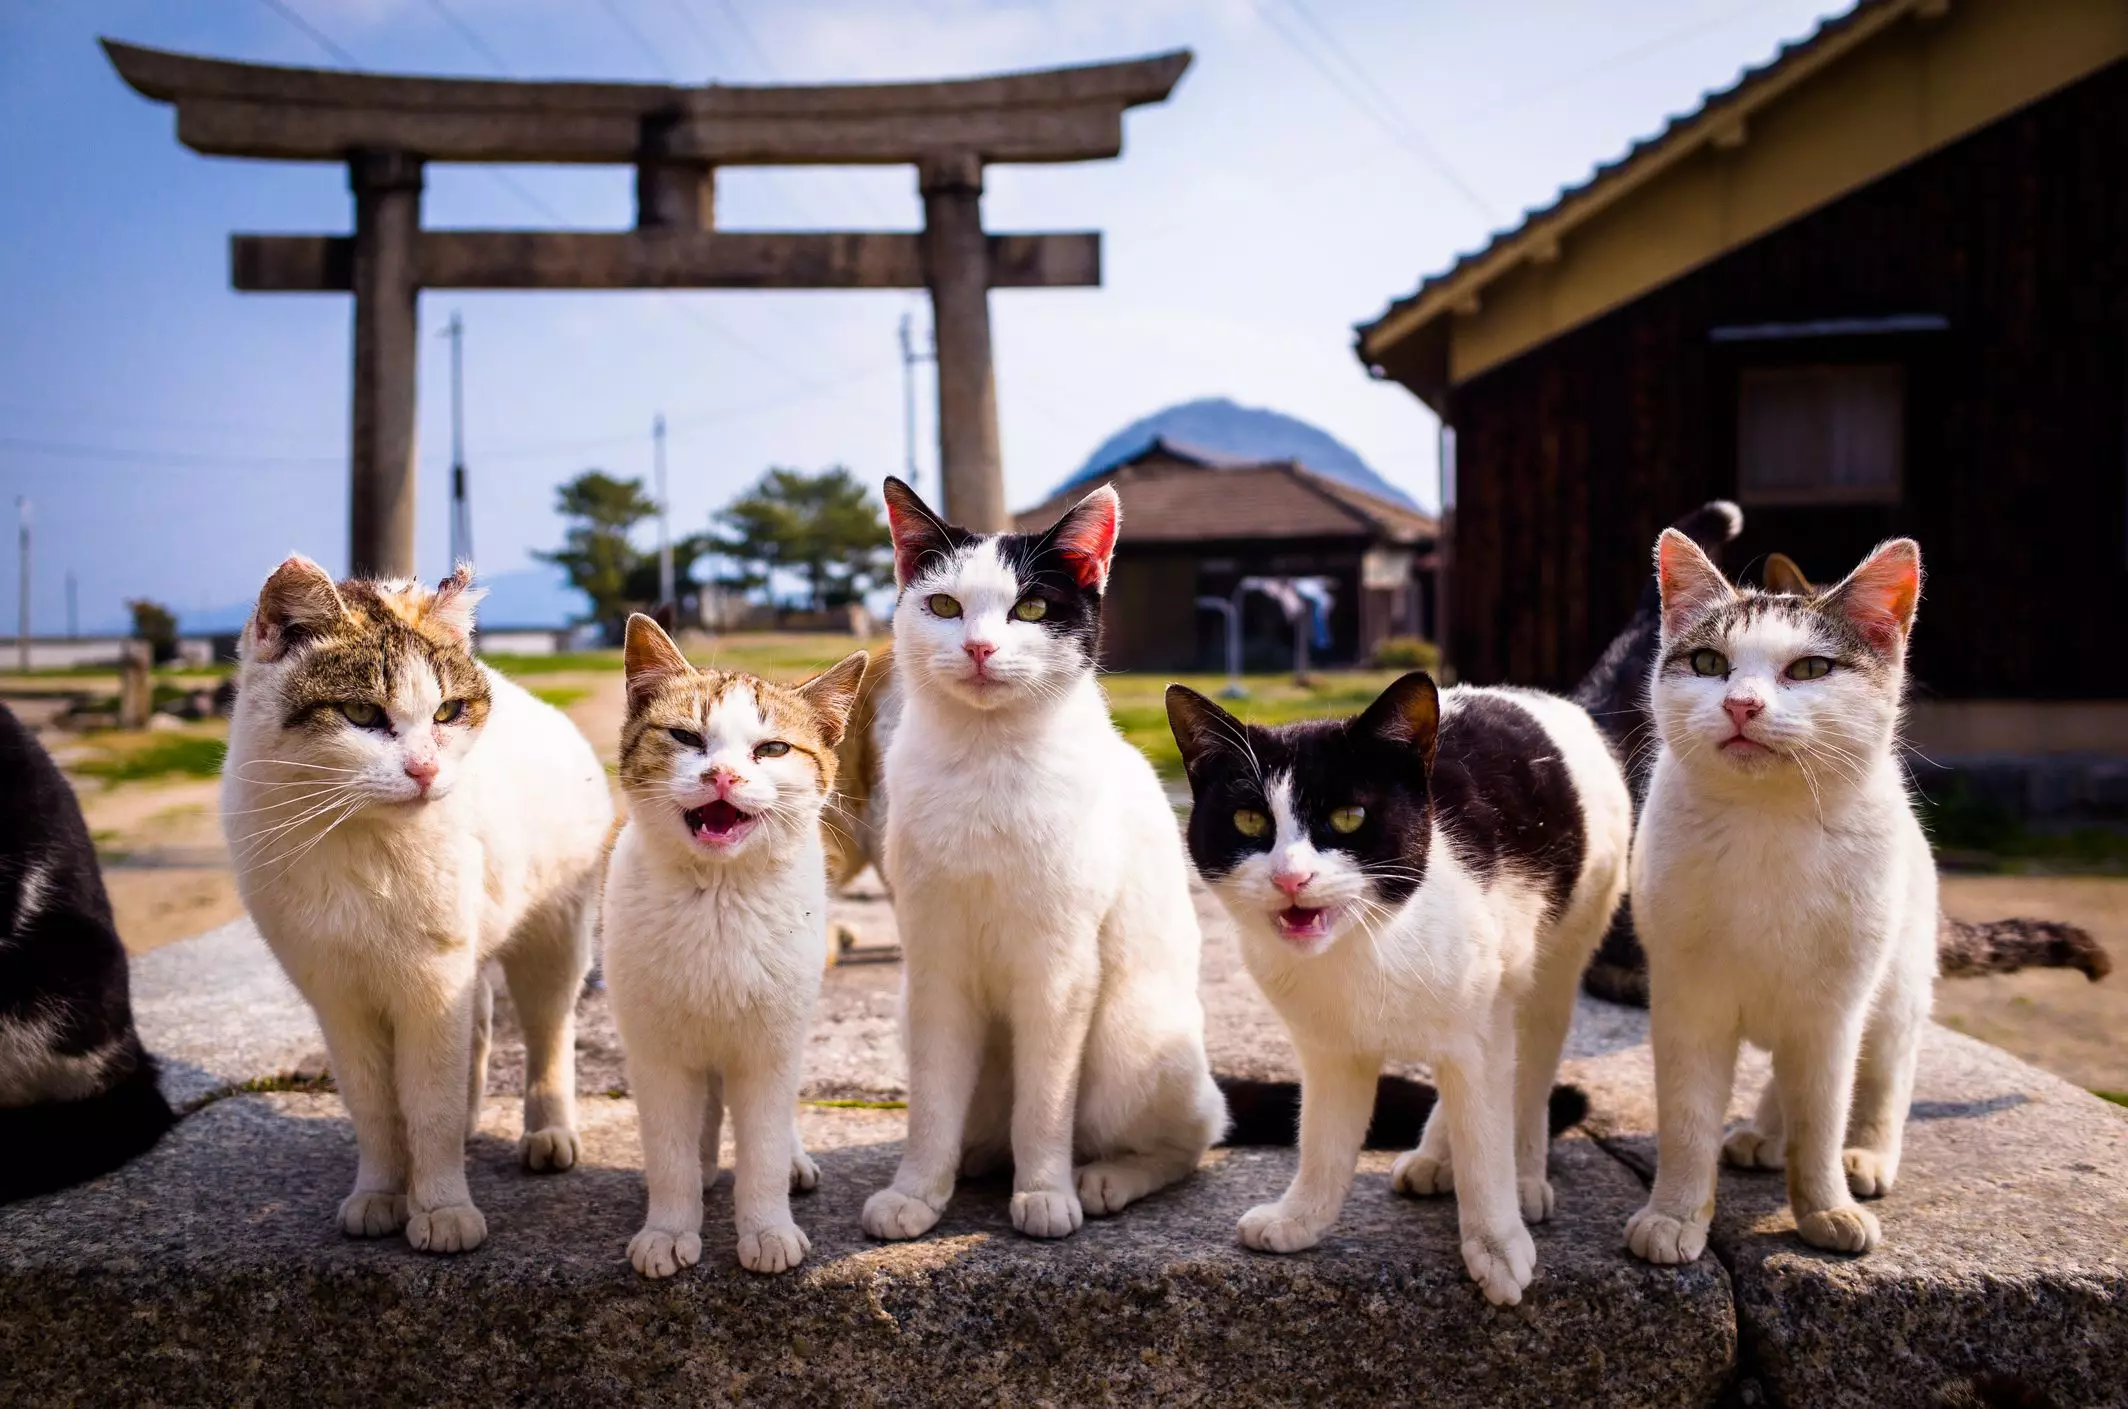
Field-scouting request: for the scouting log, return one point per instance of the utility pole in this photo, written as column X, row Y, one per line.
column 665, row 583
column 461, row 508
column 909, row 358
column 73, row 615
column 22, row 632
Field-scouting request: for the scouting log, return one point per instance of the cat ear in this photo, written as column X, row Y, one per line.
column 1086, row 537
column 1783, row 576
column 832, row 694
column 1408, row 714
column 1203, row 730
column 917, row 532
column 1691, row 584
column 298, row 600
column 452, row 606
column 1879, row 597
column 649, row 659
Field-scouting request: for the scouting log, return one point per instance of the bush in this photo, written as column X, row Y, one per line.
column 1408, row 653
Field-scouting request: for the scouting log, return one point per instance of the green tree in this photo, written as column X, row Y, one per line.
column 157, row 625
column 825, row 527
column 596, row 552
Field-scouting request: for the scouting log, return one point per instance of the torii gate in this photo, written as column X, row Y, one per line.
column 385, row 127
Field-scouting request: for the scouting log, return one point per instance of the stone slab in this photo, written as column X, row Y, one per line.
column 217, row 1011
column 212, row 1271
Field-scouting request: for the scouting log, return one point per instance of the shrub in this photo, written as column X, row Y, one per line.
column 1408, row 653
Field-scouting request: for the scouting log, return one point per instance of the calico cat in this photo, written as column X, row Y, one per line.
column 715, row 932
column 77, row 1093
column 1425, row 880
column 1784, row 891
column 1051, row 948
column 400, row 815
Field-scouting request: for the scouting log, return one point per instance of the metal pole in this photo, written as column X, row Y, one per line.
column 1231, row 612
column 461, row 506
column 22, row 631
column 665, row 582
column 909, row 358
column 73, row 616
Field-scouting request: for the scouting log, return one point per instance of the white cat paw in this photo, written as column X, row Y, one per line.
column 1747, row 1149
column 1501, row 1263
column 893, row 1215
column 1271, row 1228
column 1869, row 1174
column 1421, row 1176
column 805, row 1175
column 1047, row 1213
column 1536, row 1198
column 1110, row 1188
column 1849, row 1229
column 372, row 1214
column 553, row 1149
column 452, row 1228
column 659, row 1252
column 771, row 1250
column 1663, row 1240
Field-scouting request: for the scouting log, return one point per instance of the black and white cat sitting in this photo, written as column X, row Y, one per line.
column 77, row 1093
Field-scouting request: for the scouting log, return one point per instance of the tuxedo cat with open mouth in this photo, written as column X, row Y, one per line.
column 1424, row 881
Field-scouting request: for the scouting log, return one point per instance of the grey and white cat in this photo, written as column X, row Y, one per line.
column 1784, row 892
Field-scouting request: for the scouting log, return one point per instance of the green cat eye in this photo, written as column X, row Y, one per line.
column 448, row 711
column 1809, row 668
column 774, row 748
column 1030, row 609
column 1709, row 663
column 1251, row 823
column 362, row 714
column 943, row 605
column 1347, row 819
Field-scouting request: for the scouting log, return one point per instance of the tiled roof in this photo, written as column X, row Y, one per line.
column 1171, row 497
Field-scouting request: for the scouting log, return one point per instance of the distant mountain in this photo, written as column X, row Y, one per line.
column 1250, row 432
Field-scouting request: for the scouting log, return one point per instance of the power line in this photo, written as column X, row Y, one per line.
column 695, row 27
column 472, row 39
column 642, row 41
column 318, row 36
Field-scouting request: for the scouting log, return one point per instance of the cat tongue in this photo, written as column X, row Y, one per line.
column 719, row 819
column 1300, row 922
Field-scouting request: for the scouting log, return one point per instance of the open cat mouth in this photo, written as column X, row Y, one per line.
column 718, row 823
column 1298, row 922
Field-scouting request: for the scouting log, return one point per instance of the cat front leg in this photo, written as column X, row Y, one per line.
column 945, row 1035
column 433, row 1032
column 762, row 1101
column 1695, row 1068
column 671, row 1102
column 546, row 969
column 1477, row 1081
column 1336, row 1102
column 359, row 1046
column 1816, row 1070
column 1429, row 1169
column 1050, row 1020
column 1884, row 1084
column 1761, row 1142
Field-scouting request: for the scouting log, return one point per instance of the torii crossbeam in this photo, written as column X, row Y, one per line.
column 386, row 127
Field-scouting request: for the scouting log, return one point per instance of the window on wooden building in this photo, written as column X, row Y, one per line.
column 1820, row 435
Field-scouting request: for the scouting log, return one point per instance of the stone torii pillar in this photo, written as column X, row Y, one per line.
column 386, row 128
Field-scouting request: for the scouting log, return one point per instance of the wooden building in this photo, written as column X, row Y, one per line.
column 1195, row 523
column 1878, row 287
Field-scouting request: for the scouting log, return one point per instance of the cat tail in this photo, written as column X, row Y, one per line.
column 1268, row 1112
column 1966, row 949
column 57, row 1144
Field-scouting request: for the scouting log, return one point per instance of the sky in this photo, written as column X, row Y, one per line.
column 175, row 439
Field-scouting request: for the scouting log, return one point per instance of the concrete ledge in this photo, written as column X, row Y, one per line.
column 212, row 1271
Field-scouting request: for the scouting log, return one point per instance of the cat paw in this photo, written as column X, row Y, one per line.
column 1847, row 1229
column 372, row 1214
column 805, row 1175
column 1110, row 1188
column 659, row 1252
column 1047, row 1213
column 1536, row 1198
column 776, row 1249
column 1869, row 1174
column 893, row 1215
column 1421, row 1176
column 1663, row 1240
column 551, row 1150
column 1271, row 1228
column 452, row 1228
column 1501, row 1263
column 1747, row 1149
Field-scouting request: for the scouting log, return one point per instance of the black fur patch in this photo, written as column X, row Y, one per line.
column 1074, row 612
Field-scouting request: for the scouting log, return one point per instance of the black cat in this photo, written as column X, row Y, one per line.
column 77, row 1093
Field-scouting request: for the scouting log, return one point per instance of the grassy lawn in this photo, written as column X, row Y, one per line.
column 1139, row 702
column 779, row 655
column 146, row 755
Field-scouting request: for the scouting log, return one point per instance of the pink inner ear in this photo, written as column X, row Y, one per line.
column 1880, row 601
column 908, row 552
column 1087, row 541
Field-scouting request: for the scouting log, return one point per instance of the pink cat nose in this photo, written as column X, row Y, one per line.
column 422, row 771
column 1742, row 712
column 980, row 651
column 722, row 779
column 1292, row 882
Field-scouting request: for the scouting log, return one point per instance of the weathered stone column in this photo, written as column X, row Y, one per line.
column 957, row 268
column 387, row 280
